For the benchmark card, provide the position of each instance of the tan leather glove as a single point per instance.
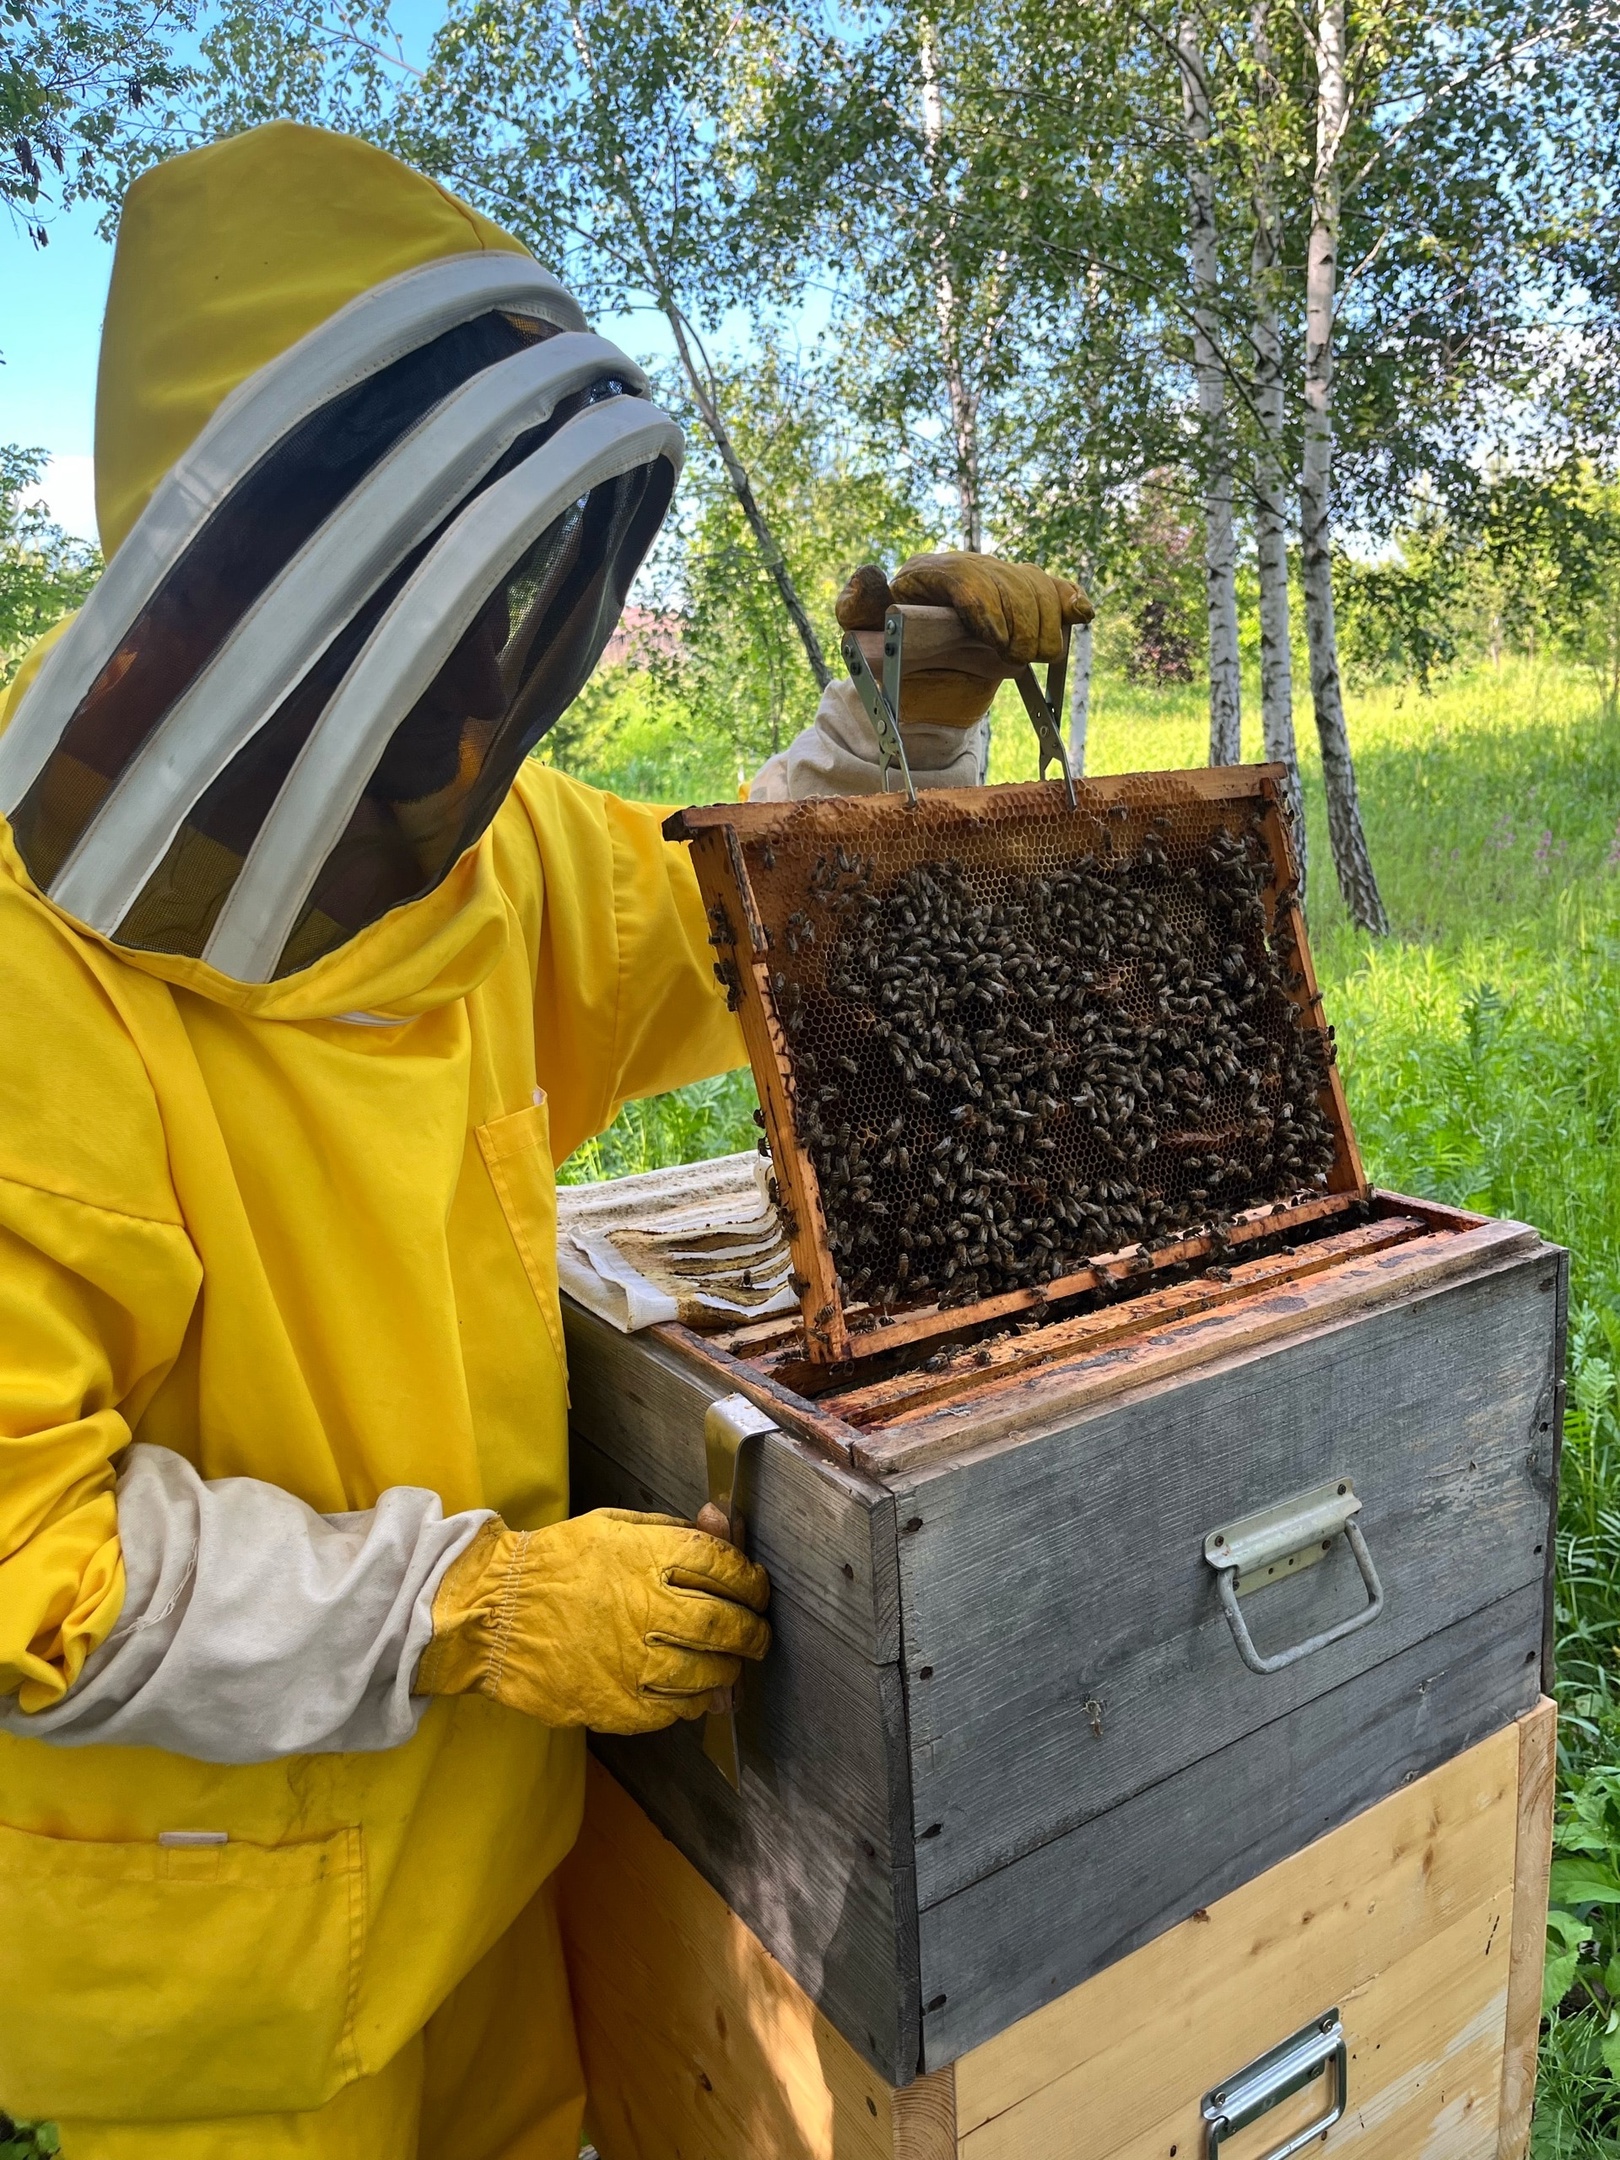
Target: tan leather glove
(618, 1621)
(1015, 610)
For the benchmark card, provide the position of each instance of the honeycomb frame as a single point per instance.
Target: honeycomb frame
(783, 883)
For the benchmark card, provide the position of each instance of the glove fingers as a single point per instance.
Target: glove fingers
(689, 1621)
(1019, 590)
(1015, 607)
(673, 1675)
(864, 601)
(719, 1570)
(1049, 636)
(1074, 602)
(956, 581)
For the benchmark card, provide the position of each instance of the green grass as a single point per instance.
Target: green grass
(713, 1118)
(1481, 1050)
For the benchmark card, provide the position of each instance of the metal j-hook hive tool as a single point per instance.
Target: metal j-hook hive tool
(1012, 1049)
(927, 640)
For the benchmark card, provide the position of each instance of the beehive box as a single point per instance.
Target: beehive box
(1143, 1495)
(1410, 1938)
(1007, 1734)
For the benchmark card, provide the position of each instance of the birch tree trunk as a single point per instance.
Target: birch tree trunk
(1220, 551)
(1270, 501)
(1079, 696)
(959, 391)
(1350, 857)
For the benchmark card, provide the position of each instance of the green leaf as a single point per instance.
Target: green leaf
(1583, 1882)
(1558, 1977)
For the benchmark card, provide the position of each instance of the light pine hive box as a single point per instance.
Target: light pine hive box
(1105, 1577)
(1420, 1923)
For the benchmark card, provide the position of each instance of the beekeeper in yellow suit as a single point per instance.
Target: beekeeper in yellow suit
(307, 979)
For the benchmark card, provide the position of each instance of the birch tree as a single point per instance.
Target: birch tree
(618, 141)
(961, 390)
(1268, 487)
(1044, 394)
(619, 132)
(1220, 540)
(1351, 860)
(928, 305)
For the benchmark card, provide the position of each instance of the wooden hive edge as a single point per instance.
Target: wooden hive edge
(716, 834)
(983, 805)
(1085, 1335)
(1026, 1406)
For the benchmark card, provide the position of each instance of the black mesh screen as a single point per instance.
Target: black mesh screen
(395, 851)
(250, 538)
(451, 759)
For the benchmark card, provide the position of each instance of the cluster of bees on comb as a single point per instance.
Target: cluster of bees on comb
(998, 1077)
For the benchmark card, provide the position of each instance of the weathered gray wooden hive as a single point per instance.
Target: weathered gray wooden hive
(1098, 1592)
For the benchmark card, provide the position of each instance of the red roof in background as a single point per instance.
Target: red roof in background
(643, 635)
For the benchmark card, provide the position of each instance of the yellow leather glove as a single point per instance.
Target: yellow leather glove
(1016, 610)
(618, 1621)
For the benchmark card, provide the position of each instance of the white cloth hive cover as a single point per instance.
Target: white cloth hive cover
(700, 1243)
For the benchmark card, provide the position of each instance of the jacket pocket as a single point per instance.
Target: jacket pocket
(145, 1982)
(517, 1153)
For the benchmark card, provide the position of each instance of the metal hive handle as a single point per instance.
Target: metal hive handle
(1281, 1540)
(728, 1425)
(1273, 2078)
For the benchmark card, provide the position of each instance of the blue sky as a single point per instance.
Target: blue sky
(50, 327)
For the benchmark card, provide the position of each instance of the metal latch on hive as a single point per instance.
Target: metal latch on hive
(728, 1425)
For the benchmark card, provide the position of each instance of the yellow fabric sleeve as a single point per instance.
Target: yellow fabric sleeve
(93, 1307)
(98, 1279)
(626, 1001)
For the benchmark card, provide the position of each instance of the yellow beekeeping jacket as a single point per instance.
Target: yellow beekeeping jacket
(308, 1249)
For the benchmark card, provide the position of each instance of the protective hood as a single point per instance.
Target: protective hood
(373, 496)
